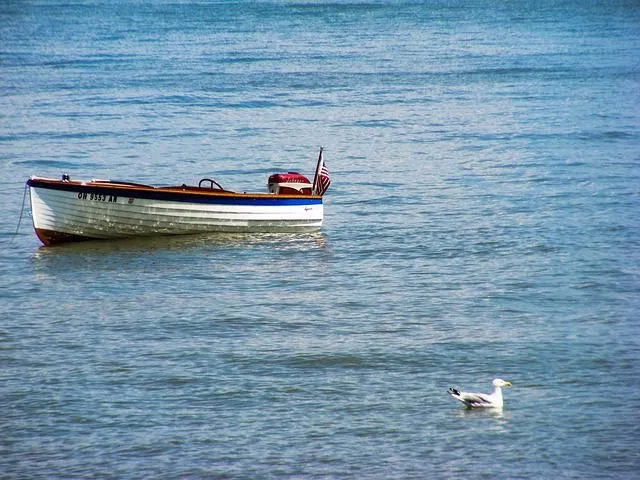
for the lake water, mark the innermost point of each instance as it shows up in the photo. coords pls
(483, 221)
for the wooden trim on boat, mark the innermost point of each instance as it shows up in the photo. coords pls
(180, 193)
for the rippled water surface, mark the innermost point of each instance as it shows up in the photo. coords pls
(482, 222)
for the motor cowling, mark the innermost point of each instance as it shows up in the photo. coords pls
(290, 183)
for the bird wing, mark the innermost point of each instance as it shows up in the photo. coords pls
(475, 399)
(471, 399)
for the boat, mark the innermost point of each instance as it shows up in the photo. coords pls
(68, 210)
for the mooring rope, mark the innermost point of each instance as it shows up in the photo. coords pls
(24, 197)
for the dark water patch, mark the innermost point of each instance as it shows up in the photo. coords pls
(255, 104)
(317, 361)
(605, 136)
(72, 135)
(101, 61)
(60, 164)
(245, 59)
(378, 123)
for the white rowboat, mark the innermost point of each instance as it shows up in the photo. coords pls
(66, 210)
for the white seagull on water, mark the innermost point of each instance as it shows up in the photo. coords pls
(476, 400)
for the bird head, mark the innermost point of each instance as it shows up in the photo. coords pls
(498, 382)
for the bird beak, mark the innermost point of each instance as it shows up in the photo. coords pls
(507, 384)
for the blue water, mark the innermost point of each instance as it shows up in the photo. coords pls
(483, 222)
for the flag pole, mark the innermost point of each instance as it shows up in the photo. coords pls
(317, 175)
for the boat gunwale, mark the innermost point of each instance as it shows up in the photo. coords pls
(184, 193)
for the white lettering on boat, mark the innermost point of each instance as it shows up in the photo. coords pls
(97, 197)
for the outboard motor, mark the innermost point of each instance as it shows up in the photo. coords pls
(291, 183)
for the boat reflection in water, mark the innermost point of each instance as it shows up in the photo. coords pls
(205, 241)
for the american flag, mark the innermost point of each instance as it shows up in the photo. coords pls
(322, 180)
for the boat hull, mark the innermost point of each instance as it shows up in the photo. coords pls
(65, 211)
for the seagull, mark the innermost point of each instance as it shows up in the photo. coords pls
(477, 400)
